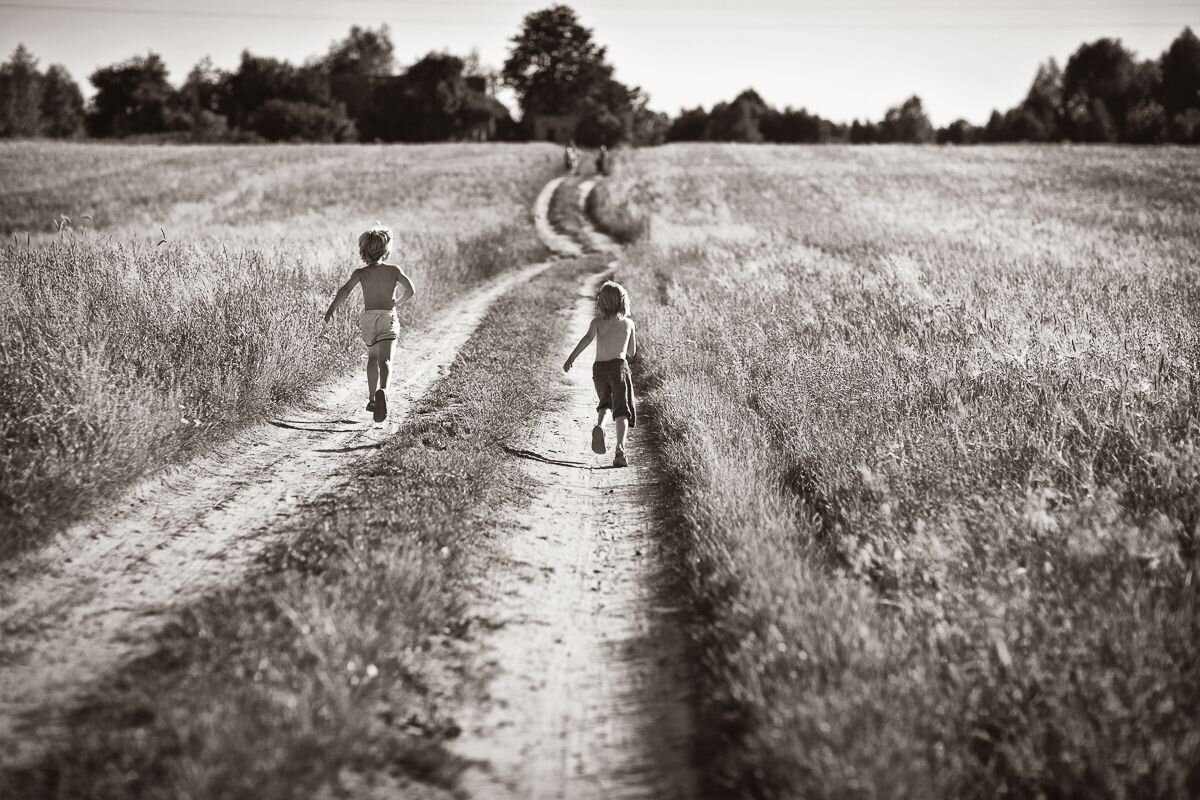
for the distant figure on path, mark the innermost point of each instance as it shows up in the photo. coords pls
(377, 322)
(616, 338)
(571, 158)
(603, 161)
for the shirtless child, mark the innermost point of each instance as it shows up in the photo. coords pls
(378, 323)
(616, 338)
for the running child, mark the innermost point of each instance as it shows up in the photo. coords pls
(377, 322)
(616, 340)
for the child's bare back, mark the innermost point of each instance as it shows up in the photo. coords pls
(379, 283)
(613, 337)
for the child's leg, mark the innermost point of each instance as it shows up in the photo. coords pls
(600, 416)
(372, 371)
(384, 355)
(622, 424)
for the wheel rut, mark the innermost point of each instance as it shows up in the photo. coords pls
(587, 689)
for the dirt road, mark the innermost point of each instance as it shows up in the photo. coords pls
(586, 679)
(93, 599)
(583, 656)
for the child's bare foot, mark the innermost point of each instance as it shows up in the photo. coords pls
(380, 405)
(598, 445)
(619, 459)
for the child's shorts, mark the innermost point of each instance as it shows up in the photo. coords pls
(614, 387)
(378, 326)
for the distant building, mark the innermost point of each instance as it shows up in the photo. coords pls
(558, 128)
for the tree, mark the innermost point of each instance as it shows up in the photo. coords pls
(62, 104)
(290, 121)
(865, 132)
(1042, 107)
(432, 101)
(20, 95)
(690, 126)
(739, 121)
(259, 79)
(1100, 87)
(794, 126)
(131, 97)
(356, 62)
(1179, 89)
(648, 127)
(959, 132)
(907, 123)
(554, 64)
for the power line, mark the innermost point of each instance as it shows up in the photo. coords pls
(679, 24)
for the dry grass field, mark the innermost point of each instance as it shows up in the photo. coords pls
(184, 296)
(928, 421)
(932, 421)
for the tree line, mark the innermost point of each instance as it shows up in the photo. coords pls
(1104, 94)
(557, 69)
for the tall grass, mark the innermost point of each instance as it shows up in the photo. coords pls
(933, 421)
(120, 352)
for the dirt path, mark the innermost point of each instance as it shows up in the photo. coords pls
(92, 600)
(584, 660)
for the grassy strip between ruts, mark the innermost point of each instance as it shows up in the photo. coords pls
(332, 671)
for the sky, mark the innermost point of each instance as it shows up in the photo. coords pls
(842, 59)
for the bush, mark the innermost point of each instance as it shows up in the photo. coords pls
(287, 121)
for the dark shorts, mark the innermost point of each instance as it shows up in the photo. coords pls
(614, 388)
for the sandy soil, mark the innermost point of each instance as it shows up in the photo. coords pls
(93, 599)
(583, 657)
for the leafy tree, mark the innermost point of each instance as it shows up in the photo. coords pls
(740, 120)
(690, 126)
(907, 122)
(198, 106)
(647, 127)
(554, 64)
(354, 63)
(62, 104)
(20, 95)
(1185, 127)
(1179, 89)
(281, 120)
(959, 132)
(1100, 87)
(1040, 111)
(432, 101)
(259, 80)
(794, 126)
(131, 98)
(865, 133)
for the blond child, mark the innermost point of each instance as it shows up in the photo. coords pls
(616, 340)
(377, 322)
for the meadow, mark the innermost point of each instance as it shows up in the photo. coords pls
(157, 298)
(929, 421)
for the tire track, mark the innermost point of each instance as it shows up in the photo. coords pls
(587, 687)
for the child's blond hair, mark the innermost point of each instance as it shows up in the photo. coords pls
(612, 300)
(375, 243)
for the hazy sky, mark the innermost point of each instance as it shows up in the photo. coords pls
(839, 59)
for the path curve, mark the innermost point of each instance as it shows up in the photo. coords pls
(557, 241)
(93, 598)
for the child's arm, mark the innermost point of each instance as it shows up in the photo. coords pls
(579, 348)
(632, 339)
(341, 295)
(406, 282)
